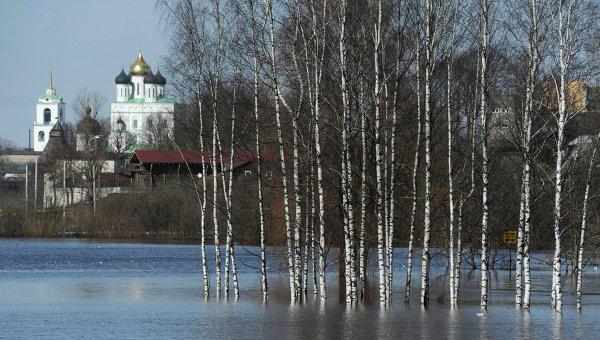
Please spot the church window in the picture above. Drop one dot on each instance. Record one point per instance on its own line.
(135, 125)
(46, 115)
(137, 88)
(41, 136)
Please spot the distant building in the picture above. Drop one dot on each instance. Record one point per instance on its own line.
(140, 98)
(50, 110)
(501, 122)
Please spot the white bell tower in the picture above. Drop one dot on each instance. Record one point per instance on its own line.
(50, 109)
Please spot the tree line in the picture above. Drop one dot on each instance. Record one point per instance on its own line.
(395, 123)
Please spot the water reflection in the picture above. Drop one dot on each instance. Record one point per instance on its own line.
(156, 291)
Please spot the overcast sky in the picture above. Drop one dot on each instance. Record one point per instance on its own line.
(85, 41)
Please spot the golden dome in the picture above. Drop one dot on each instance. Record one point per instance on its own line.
(140, 67)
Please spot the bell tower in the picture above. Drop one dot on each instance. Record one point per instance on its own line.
(50, 109)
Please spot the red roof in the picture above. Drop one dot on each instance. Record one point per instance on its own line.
(186, 156)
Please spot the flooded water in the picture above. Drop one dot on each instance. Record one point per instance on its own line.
(77, 289)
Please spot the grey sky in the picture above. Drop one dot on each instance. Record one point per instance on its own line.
(85, 41)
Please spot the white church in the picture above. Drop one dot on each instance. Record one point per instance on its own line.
(50, 109)
(140, 98)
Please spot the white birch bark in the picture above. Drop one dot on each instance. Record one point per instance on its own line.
(415, 171)
(216, 85)
(561, 121)
(392, 180)
(363, 192)
(533, 67)
(261, 216)
(378, 165)
(276, 94)
(450, 185)
(230, 262)
(205, 274)
(317, 53)
(520, 237)
(295, 163)
(427, 213)
(458, 253)
(485, 8)
(350, 273)
(215, 201)
(583, 225)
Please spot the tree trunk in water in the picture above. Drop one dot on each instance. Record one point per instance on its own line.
(275, 83)
(450, 187)
(261, 216)
(378, 170)
(582, 231)
(363, 193)
(485, 7)
(415, 171)
(205, 274)
(427, 213)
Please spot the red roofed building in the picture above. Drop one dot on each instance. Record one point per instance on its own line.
(149, 166)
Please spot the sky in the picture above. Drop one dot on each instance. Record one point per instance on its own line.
(85, 41)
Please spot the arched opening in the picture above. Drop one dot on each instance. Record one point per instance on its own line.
(137, 88)
(41, 136)
(135, 125)
(47, 115)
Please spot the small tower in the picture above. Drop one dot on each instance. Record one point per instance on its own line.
(160, 83)
(50, 110)
(138, 71)
(123, 82)
(87, 129)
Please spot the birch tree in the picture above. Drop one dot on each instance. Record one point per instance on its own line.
(261, 216)
(429, 66)
(415, 171)
(485, 7)
(275, 83)
(584, 215)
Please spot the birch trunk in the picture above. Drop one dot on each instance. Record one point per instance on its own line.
(392, 181)
(228, 194)
(561, 121)
(215, 201)
(317, 58)
(378, 170)
(485, 7)
(533, 66)
(415, 171)
(350, 277)
(427, 214)
(582, 231)
(520, 237)
(205, 274)
(295, 164)
(275, 83)
(214, 153)
(363, 192)
(450, 186)
(261, 216)
(458, 253)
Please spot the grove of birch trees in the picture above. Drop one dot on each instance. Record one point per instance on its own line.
(392, 126)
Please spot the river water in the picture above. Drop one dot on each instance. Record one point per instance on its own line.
(81, 289)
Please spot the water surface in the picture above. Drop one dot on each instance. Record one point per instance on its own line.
(79, 289)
